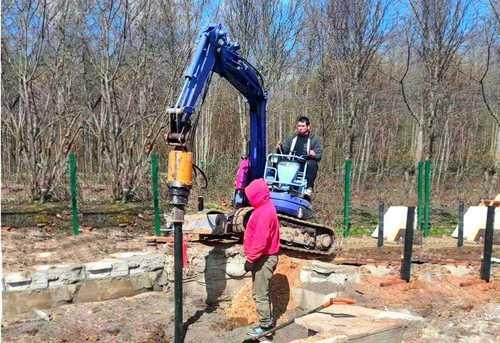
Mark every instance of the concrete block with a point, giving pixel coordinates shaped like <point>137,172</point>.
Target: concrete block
<point>64,294</point>
<point>311,276</point>
<point>133,258</point>
<point>326,268</point>
<point>98,270</point>
<point>235,267</point>
<point>39,280</point>
<point>71,274</point>
<point>141,281</point>
<point>308,299</point>
<point>118,267</point>
<point>151,263</point>
<point>62,274</point>
<point>17,281</point>
<point>25,301</point>
<point>53,272</point>
<point>106,289</point>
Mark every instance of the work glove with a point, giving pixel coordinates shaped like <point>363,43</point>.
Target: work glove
<point>248,266</point>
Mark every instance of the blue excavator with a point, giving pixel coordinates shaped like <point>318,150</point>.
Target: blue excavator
<point>284,173</point>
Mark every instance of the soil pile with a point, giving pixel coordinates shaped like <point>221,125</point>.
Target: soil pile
<point>242,310</point>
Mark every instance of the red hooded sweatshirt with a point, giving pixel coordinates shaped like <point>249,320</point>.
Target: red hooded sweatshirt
<point>262,233</point>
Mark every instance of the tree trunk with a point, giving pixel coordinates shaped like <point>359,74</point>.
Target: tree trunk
<point>243,125</point>
<point>497,150</point>
<point>419,148</point>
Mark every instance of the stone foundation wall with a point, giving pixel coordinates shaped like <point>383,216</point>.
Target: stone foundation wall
<point>214,274</point>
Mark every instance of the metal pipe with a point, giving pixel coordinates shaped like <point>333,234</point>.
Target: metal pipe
<point>179,330</point>
<point>488,244</point>
<point>408,247</point>
<point>460,241</point>
<point>380,240</point>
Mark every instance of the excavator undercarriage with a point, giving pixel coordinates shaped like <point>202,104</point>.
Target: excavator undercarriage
<point>296,234</point>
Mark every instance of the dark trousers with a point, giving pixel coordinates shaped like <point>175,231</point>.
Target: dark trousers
<point>311,172</point>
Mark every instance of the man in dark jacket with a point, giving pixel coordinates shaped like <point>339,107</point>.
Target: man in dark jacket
<point>305,144</point>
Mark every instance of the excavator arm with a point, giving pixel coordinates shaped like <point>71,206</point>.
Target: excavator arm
<point>215,53</point>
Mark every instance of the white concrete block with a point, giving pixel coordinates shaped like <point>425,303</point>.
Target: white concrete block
<point>475,220</point>
<point>133,258</point>
<point>17,281</point>
<point>39,280</point>
<point>61,274</point>
<point>310,276</point>
<point>98,270</point>
<point>235,267</point>
<point>309,299</point>
<point>119,267</point>
<point>394,221</point>
<point>72,274</point>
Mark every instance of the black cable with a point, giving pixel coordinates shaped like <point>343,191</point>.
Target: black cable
<point>196,168</point>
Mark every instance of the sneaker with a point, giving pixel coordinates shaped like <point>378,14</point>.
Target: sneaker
<point>257,331</point>
<point>308,192</point>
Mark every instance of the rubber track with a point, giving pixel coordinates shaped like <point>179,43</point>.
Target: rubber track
<point>308,224</point>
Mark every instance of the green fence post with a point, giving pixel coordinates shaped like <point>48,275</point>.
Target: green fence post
<point>420,189</point>
<point>427,195</point>
<point>155,189</point>
<point>347,197</point>
<point>75,226</point>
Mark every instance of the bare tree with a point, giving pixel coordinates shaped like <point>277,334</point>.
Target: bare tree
<point>127,110</point>
<point>267,31</point>
<point>437,31</point>
<point>354,32</point>
<point>40,110</point>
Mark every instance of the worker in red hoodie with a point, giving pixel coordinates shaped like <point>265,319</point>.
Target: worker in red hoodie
<point>261,245</point>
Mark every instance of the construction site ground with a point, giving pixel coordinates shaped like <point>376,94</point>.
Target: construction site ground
<point>451,312</point>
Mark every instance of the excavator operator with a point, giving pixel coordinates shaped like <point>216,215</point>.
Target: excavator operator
<point>304,143</point>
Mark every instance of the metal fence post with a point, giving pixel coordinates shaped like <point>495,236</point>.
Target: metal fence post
<point>408,247</point>
<point>460,241</point>
<point>347,197</point>
<point>420,191</point>
<point>75,225</point>
<point>155,190</point>
<point>427,197</point>
<point>380,240</point>
<point>488,244</point>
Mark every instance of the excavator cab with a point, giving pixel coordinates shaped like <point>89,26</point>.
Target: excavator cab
<point>286,173</point>
<point>286,178</point>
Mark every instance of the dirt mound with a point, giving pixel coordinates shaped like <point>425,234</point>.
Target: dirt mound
<point>242,310</point>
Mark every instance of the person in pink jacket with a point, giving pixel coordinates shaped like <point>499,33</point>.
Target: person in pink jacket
<point>261,245</point>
